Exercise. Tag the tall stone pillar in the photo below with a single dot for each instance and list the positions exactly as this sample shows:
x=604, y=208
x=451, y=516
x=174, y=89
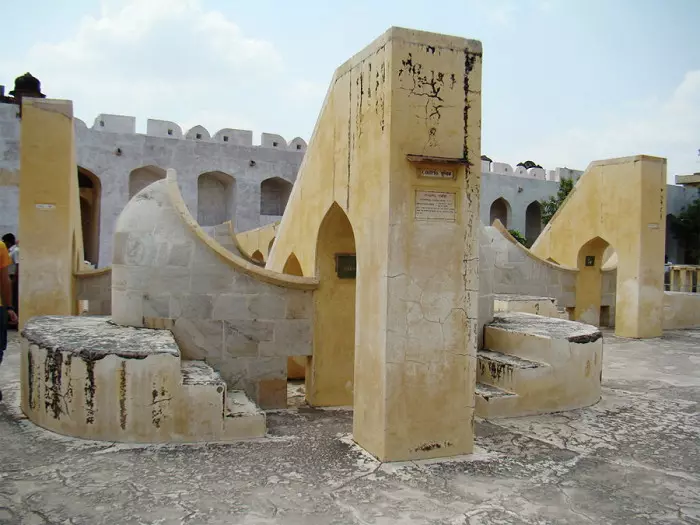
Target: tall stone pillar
x=49, y=212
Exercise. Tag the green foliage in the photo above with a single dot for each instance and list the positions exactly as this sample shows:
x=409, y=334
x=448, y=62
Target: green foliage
x=686, y=228
x=518, y=237
x=551, y=205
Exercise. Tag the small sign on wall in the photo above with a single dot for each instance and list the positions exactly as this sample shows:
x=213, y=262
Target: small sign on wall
x=42, y=206
x=590, y=260
x=435, y=206
x=437, y=174
x=345, y=265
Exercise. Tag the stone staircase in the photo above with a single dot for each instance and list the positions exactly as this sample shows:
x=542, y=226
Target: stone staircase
x=533, y=364
x=90, y=378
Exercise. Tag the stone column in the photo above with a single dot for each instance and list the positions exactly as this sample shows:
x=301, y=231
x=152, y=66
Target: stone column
x=49, y=211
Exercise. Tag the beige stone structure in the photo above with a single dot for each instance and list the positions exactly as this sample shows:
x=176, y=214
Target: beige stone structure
x=388, y=176
x=533, y=364
x=86, y=377
x=619, y=203
x=243, y=320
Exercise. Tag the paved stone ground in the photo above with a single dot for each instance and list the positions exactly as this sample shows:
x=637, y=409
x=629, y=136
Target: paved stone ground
x=632, y=458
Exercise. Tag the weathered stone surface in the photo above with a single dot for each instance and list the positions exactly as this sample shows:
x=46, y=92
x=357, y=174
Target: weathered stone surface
x=96, y=337
x=632, y=458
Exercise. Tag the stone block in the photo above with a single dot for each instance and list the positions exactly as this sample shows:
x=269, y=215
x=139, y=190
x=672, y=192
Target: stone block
x=231, y=306
x=293, y=331
x=267, y=368
x=199, y=338
x=208, y=279
x=299, y=305
x=266, y=306
x=158, y=323
x=272, y=393
x=193, y=306
x=128, y=307
x=238, y=342
x=180, y=254
x=173, y=280
x=156, y=306
x=252, y=330
x=119, y=247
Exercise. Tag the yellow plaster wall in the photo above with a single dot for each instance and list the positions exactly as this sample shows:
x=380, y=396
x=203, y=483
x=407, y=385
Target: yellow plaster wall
x=415, y=332
x=257, y=240
x=49, y=209
x=622, y=201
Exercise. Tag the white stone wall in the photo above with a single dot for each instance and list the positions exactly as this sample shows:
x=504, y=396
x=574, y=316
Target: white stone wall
x=112, y=150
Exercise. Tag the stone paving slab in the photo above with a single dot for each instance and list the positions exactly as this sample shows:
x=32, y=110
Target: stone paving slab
x=632, y=458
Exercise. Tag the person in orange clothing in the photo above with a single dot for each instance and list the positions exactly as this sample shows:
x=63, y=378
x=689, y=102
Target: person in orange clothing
x=6, y=309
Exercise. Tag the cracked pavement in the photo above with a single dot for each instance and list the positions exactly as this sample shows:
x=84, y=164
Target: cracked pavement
x=632, y=458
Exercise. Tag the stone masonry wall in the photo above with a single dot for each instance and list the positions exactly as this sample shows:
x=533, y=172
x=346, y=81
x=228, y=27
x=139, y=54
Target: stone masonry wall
x=164, y=275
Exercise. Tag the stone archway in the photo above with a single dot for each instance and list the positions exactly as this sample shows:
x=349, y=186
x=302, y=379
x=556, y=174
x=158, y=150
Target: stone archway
x=500, y=209
x=330, y=379
x=589, y=281
x=216, y=198
x=533, y=222
x=90, y=189
x=274, y=194
x=142, y=177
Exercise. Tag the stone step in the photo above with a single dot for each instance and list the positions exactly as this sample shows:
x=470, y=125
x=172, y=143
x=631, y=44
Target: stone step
x=199, y=373
x=551, y=364
x=487, y=391
x=507, y=371
x=243, y=417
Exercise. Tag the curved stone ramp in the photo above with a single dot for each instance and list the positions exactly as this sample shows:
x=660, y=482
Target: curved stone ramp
x=534, y=365
x=243, y=320
x=89, y=378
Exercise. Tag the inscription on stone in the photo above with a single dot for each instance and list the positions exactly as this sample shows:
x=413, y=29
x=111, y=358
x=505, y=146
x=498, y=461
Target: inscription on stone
x=437, y=174
x=435, y=206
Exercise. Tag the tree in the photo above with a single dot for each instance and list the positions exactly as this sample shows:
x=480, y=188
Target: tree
x=518, y=237
x=551, y=205
x=686, y=229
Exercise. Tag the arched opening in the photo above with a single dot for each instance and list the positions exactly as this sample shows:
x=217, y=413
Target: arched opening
x=269, y=246
x=533, y=222
x=330, y=377
x=257, y=256
x=274, y=194
x=296, y=365
x=589, y=281
x=216, y=197
x=90, y=195
x=292, y=266
x=142, y=177
x=500, y=209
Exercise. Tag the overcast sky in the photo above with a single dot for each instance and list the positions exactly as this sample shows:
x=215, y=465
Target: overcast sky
x=565, y=81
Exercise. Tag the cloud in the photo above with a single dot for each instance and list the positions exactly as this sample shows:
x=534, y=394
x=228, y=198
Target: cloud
x=167, y=59
x=668, y=128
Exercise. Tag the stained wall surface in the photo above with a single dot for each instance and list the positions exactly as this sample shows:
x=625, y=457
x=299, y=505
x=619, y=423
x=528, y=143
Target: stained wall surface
x=416, y=315
x=681, y=310
x=623, y=203
x=243, y=320
x=49, y=211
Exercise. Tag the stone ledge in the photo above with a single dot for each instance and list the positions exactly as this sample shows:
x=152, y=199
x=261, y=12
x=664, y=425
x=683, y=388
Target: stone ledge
x=96, y=337
x=536, y=325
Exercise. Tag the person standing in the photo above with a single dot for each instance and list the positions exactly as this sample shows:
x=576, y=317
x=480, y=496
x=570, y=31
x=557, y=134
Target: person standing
x=6, y=310
x=13, y=248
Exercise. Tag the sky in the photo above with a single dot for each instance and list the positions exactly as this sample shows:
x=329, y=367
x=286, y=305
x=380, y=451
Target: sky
x=565, y=82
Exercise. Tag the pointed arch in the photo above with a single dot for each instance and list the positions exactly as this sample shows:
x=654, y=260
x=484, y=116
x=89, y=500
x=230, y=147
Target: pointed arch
x=500, y=209
x=216, y=198
x=292, y=266
x=142, y=177
x=589, y=281
x=257, y=256
x=90, y=189
x=274, y=194
x=533, y=222
x=331, y=378
x=269, y=246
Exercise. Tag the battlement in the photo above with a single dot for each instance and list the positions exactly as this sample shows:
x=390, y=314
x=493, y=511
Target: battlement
x=167, y=129
x=534, y=172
